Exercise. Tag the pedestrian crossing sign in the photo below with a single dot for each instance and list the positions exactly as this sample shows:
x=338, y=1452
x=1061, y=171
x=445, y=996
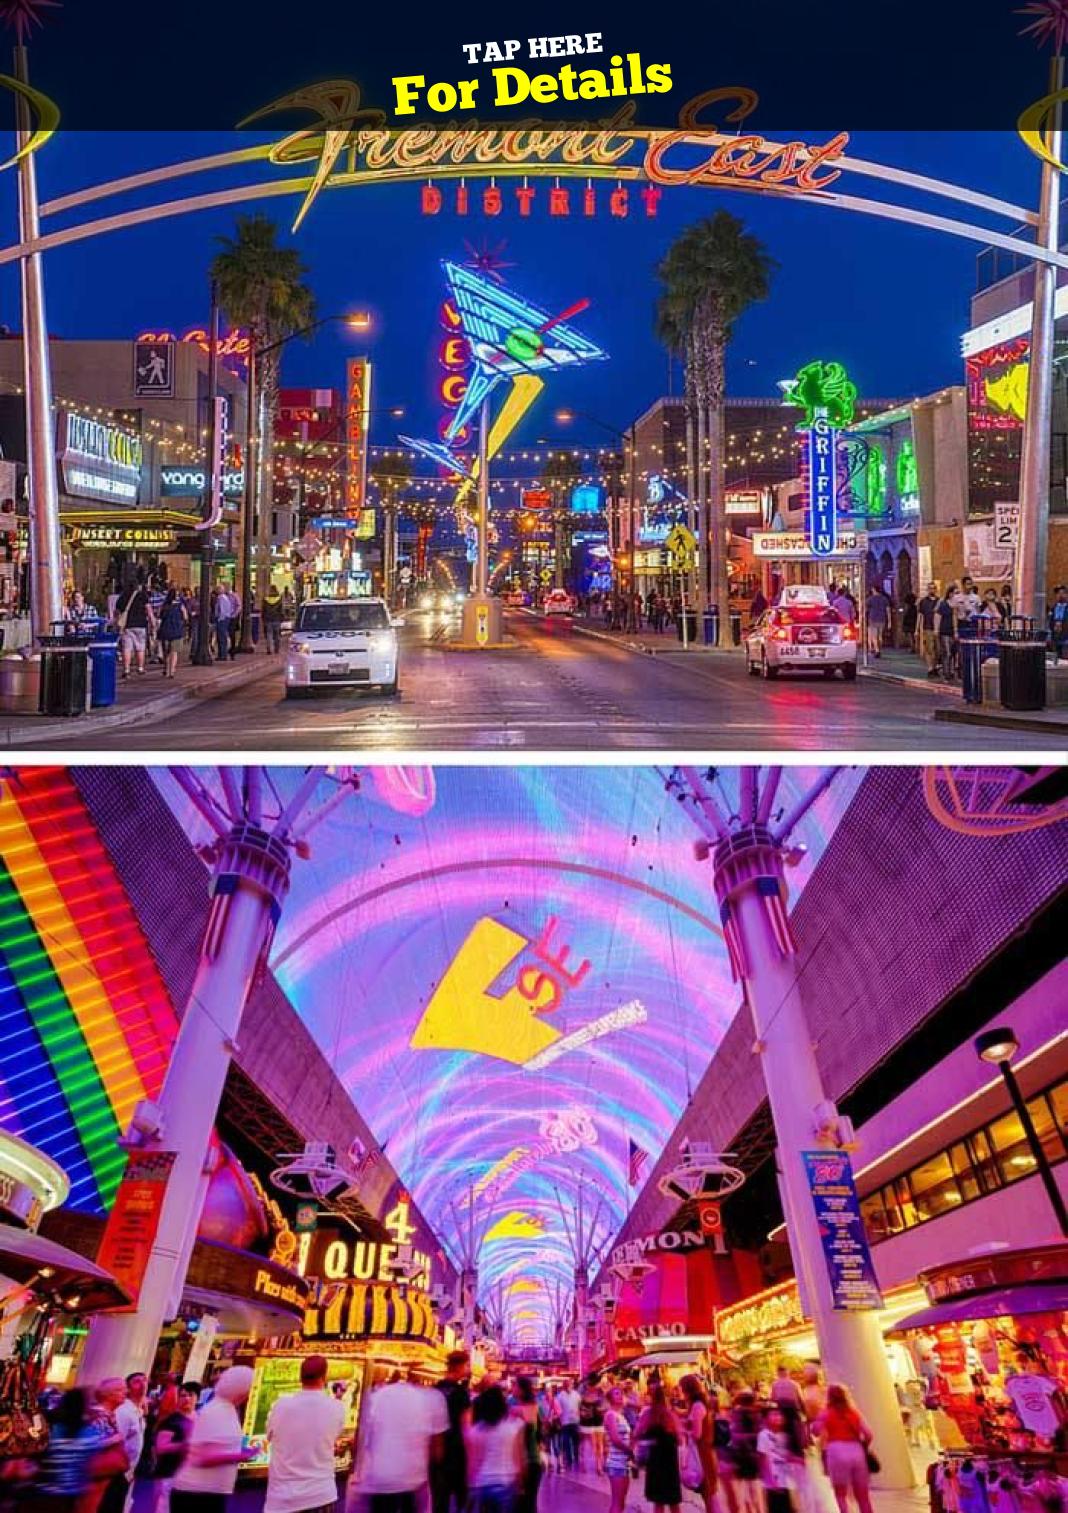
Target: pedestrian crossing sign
x=681, y=546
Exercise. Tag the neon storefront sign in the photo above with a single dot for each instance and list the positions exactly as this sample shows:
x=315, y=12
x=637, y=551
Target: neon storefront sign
x=234, y=344
x=768, y=1313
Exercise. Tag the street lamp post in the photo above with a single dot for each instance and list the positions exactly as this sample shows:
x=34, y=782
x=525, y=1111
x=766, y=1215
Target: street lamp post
x=202, y=655
x=997, y=1048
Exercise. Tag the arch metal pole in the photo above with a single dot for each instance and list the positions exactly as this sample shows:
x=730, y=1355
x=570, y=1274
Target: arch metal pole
x=46, y=546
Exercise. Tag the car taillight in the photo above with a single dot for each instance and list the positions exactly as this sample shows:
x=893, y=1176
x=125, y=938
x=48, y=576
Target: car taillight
x=780, y=634
x=849, y=632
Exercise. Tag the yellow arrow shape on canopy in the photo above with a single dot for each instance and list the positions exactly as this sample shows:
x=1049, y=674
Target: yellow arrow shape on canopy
x=464, y=1015
x=524, y=391
x=516, y=1225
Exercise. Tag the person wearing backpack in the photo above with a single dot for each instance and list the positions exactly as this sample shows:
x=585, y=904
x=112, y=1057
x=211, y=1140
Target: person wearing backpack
x=173, y=620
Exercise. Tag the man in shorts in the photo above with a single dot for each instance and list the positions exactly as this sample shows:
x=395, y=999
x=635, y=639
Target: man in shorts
x=135, y=617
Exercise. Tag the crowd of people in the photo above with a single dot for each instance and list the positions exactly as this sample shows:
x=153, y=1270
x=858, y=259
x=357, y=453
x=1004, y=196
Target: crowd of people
x=159, y=623
x=455, y=1447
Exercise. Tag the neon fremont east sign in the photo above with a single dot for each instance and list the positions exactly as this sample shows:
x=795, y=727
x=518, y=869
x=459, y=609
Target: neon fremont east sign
x=350, y=144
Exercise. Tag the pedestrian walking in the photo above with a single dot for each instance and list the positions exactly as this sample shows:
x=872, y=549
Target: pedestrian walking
x=658, y=1434
x=877, y=611
x=172, y=1442
x=271, y=611
x=617, y=1432
x=698, y=1428
x=208, y=1473
x=62, y=1477
x=591, y=1423
x=777, y=1458
x=946, y=621
x=130, y=1418
x=134, y=615
x=223, y=620
x=745, y=1426
x=526, y=1410
x=927, y=629
x=784, y=1389
x=403, y=1435
x=449, y=1475
x=846, y=1441
x=110, y=1393
x=494, y=1454
x=1058, y=621
x=173, y=622
x=568, y=1402
x=303, y=1429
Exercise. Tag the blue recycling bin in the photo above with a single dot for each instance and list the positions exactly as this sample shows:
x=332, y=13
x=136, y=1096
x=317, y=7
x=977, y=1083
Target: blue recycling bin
x=975, y=645
x=710, y=619
x=104, y=669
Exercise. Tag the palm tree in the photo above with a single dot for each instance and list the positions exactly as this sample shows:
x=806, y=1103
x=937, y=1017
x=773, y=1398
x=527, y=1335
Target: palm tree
x=710, y=276
x=262, y=289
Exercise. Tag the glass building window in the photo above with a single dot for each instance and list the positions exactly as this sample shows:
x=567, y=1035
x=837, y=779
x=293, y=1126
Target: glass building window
x=987, y=1159
x=934, y=1186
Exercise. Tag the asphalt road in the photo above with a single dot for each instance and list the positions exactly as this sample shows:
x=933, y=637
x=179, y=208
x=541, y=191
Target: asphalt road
x=568, y=692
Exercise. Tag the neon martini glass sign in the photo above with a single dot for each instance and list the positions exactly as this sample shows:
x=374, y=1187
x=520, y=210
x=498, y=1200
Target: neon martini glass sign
x=510, y=339
x=828, y=398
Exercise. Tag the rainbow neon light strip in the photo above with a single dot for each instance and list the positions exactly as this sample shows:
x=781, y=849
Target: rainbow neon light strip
x=86, y=1023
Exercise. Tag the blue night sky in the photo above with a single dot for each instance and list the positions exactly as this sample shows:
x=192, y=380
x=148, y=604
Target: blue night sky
x=888, y=300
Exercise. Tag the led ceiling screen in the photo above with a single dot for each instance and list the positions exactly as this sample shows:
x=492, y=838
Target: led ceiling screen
x=515, y=972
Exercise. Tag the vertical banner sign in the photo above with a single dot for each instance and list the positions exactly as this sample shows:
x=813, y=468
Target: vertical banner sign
x=822, y=486
x=131, y=1228
x=357, y=424
x=845, y=1245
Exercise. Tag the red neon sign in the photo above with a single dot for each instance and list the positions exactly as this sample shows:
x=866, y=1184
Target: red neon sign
x=561, y=202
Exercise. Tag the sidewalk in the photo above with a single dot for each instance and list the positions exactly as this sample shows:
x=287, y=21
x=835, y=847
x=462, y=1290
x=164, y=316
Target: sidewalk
x=652, y=643
x=558, y=1492
x=141, y=700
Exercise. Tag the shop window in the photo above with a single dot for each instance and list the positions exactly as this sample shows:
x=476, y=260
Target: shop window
x=1014, y=1156
x=909, y=1216
x=964, y=1171
x=934, y=1187
x=876, y=1223
x=984, y=1161
x=1049, y=1136
x=895, y=1220
x=1058, y=1098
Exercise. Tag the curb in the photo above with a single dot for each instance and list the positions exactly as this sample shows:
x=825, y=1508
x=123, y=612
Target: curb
x=508, y=645
x=34, y=732
x=1003, y=721
x=641, y=649
x=926, y=685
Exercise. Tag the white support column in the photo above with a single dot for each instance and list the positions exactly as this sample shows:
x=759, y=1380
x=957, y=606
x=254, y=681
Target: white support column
x=250, y=882
x=851, y=1346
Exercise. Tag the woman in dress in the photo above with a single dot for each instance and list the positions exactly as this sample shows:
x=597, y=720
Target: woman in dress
x=526, y=1410
x=698, y=1427
x=617, y=1455
x=658, y=1433
x=845, y=1438
x=495, y=1462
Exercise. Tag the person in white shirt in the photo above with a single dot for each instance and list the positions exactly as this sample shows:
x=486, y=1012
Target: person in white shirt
x=569, y=1402
x=303, y=1429
x=130, y=1417
x=494, y=1453
x=208, y=1474
x=404, y=1430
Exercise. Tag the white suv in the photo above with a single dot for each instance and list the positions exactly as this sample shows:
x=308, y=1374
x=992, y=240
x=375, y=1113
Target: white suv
x=342, y=643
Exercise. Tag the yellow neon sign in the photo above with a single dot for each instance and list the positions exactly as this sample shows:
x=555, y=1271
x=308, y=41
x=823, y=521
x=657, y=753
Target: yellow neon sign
x=47, y=118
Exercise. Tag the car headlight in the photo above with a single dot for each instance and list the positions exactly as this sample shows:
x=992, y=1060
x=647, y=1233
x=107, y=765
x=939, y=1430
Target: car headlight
x=302, y=648
x=381, y=641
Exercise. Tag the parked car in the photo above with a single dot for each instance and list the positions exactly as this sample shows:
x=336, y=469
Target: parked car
x=802, y=633
x=342, y=643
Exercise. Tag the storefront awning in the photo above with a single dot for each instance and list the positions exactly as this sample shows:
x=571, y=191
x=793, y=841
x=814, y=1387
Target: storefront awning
x=1036, y=1297
x=57, y=1273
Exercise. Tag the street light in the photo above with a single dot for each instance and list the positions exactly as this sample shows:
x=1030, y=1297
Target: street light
x=997, y=1048
x=355, y=320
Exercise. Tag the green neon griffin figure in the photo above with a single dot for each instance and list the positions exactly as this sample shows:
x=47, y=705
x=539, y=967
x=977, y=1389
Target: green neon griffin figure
x=823, y=387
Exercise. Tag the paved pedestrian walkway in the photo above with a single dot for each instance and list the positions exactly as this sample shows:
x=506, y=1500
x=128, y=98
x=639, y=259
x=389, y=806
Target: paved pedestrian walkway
x=141, y=699
x=582, y=1492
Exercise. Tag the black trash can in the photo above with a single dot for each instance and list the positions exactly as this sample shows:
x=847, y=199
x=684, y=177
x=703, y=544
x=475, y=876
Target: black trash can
x=736, y=627
x=64, y=676
x=691, y=626
x=1022, y=665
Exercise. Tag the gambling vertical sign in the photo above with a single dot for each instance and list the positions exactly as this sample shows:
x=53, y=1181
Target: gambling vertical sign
x=357, y=425
x=822, y=486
